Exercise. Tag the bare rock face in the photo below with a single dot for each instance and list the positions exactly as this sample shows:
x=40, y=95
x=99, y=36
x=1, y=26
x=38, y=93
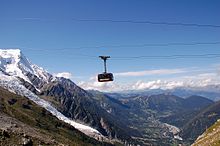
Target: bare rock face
x=75, y=102
x=79, y=104
x=106, y=127
x=37, y=82
x=29, y=86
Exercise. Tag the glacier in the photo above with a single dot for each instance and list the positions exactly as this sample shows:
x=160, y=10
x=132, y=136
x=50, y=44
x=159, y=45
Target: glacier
x=14, y=65
x=13, y=84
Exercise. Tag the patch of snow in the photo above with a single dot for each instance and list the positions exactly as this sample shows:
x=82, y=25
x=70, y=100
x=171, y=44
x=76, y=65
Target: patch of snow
x=172, y=129
x=109, y=110
x=41, y=73
x=178, y=137
x=175, y=130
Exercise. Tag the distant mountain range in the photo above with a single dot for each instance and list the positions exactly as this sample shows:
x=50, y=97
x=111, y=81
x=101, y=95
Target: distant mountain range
x=152, y=114
x=150, y=117
x=211, y=91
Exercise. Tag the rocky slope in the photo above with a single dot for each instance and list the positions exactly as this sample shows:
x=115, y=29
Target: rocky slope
x=78, y=104
x=199, y=123
x=131, y=119
x=210, y=137
x=22, y=121
x=72, y=101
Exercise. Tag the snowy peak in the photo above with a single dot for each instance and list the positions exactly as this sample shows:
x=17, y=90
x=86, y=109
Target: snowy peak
x=14, y=63
x=9, y=53
x=20, y=76
x=13, y=59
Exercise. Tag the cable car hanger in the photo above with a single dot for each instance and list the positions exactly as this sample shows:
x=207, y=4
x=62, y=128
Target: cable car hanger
x=105, y=76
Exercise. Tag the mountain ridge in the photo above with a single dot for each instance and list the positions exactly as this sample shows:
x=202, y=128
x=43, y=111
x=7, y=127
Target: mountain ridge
x=139, y=118
x=22, y=119
x=73, y=102
x=204, y=119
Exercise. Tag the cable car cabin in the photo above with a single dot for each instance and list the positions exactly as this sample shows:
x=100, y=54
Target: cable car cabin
x=105, y=77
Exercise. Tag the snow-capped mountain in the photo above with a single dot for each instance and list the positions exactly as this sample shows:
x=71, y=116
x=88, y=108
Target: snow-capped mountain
x=16, y=69
x=60, y=96
x=14, y=63
x=14, y=85
x=97, y=114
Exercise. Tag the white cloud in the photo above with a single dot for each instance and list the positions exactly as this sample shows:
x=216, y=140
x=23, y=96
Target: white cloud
x=198, y=80
x=152, y=72
x=101, y=86
x=64, y=75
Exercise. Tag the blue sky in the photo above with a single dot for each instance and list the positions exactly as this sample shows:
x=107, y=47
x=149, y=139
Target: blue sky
x=49, y=35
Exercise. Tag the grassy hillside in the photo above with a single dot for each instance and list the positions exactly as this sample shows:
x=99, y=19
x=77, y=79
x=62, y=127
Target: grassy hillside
x=211, y=137
x=36, y=123
x=198, y=124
